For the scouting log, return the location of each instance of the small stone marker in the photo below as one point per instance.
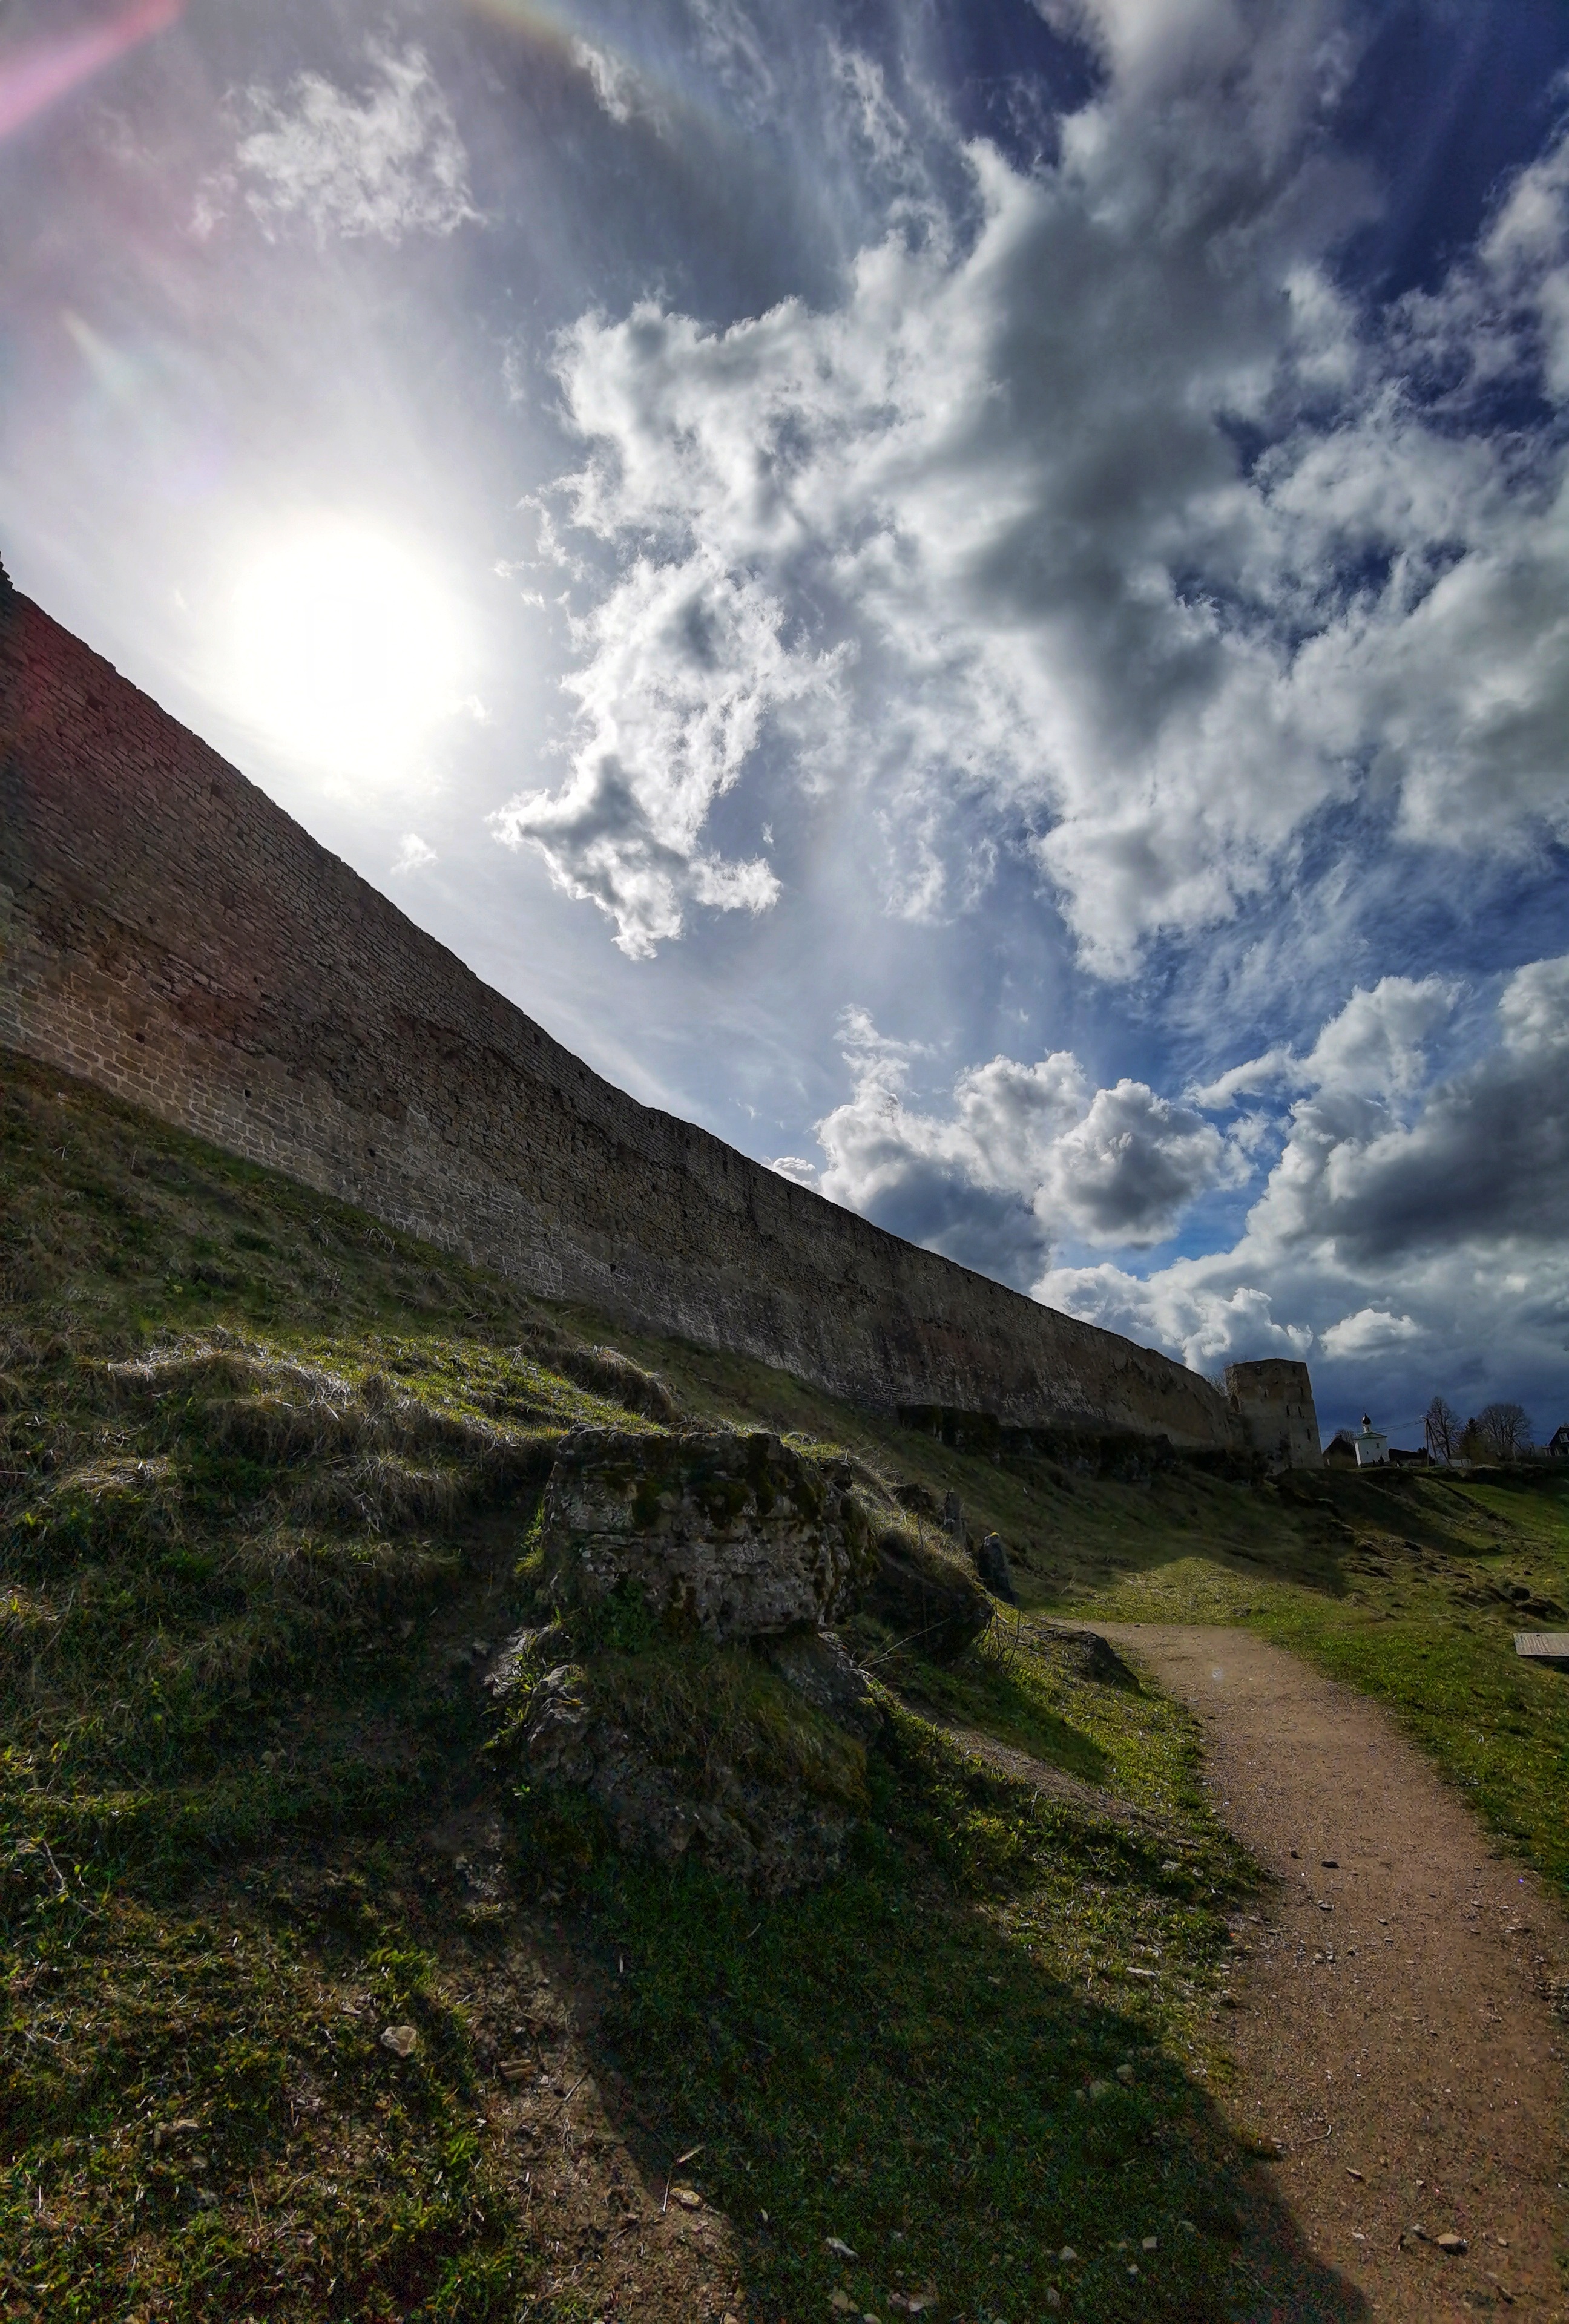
(994, 1570)
(1543, 1645)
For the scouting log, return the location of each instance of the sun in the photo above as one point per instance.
(345, 649)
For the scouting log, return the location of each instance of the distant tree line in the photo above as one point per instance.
(1498, 1432)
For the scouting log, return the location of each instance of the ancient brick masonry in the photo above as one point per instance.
(1272, 1406)
(168, 932)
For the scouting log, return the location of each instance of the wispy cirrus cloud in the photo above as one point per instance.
(386, 160)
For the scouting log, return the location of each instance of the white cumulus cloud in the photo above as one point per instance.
(414, 854)
(688, 666)
(1413, 1213)
(1022, 1157)
(977, 541)
(1409, 1211)
(1371, 1331)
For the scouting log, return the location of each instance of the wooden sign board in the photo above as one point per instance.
(1543, 1645)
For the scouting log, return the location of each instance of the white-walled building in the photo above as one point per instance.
(1372, 1446)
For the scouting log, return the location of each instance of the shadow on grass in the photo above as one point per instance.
(1312, 1530)
(888, 2061)
(982, 1690)
(890, 2095)
(885, 2061)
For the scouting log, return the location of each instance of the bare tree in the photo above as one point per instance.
(1441, 1426)
(1506, 1430)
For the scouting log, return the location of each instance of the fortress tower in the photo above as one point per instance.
(1272, 1403)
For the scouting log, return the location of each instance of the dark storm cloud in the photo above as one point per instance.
(1484, 1163)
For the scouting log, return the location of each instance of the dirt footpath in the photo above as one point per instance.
(1392, 2030)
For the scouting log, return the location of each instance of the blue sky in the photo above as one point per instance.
(973, 597)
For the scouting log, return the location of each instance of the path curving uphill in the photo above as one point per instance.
(1393, 2034)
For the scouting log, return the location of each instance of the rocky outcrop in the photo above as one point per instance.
(923, 1596)
(771, 1837)
(734, 1536)
(689, 1684)
(820, 1669)
(564, 1719)
(1087, 1654)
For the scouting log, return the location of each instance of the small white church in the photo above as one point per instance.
(1368, 1447)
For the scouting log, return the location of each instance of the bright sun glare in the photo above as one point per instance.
(346, 650)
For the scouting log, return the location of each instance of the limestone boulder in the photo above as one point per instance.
(1087, 1654)
(770, 1836)
(818, 1666)
(733, 1535)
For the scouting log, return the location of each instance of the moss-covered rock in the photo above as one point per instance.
(688, 1748)
(734, 1535)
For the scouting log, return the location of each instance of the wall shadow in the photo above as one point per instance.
(882, 2062)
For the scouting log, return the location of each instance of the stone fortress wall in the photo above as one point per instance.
(170, 933)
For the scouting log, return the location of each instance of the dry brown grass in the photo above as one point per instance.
(606, 1372)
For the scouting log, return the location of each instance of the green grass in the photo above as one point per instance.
(267, 1467)
(1400, 1586)
(989, 2038)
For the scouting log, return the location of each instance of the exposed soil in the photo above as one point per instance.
(1394, 2034)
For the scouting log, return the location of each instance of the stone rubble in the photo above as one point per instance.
(996, 1574)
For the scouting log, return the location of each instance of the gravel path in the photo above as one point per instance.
(1392, 2033)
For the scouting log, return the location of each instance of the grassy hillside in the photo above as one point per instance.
(267, 1475)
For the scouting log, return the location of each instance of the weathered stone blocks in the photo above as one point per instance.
(1272, 1403)
(734, 1535)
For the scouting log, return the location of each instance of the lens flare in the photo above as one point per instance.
(38, 73)
(609, 65)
